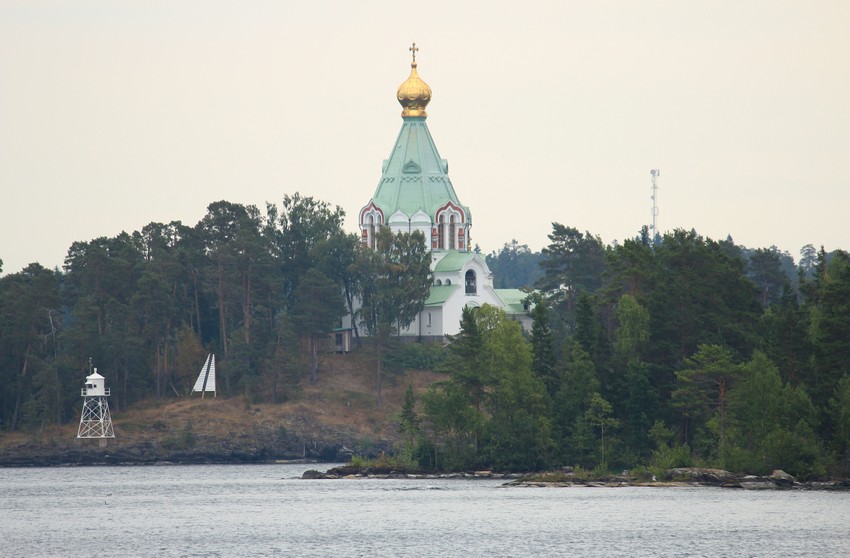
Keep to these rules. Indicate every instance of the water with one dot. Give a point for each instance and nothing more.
(266, 510)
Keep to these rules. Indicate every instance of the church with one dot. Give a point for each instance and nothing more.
(416, 194)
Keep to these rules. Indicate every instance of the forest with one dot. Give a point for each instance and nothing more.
(655, 352)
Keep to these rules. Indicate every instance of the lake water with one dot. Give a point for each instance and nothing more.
(266, 510)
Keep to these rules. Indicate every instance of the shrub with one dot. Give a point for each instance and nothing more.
(419, 356)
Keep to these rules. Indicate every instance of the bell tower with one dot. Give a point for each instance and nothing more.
(415, 193)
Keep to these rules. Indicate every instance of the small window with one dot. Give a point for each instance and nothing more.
(470, 282)
(438, 282)
(448, 281)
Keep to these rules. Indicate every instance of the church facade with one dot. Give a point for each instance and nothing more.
(415, 193)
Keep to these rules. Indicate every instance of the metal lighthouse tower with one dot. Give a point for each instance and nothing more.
(95, 420)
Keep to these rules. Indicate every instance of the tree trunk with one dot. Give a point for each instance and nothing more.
(314, 354)
(350, 303)
(379, 343)
(165, 363)
(17, 410)
(246, 304)
(722, 404)
(197, 304)
(222, 322)
(602, 437)
(158, 372)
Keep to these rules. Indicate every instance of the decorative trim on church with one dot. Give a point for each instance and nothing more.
(452, 207)
(411, 167)
(371, 220)
(416, 194)
(449, 231)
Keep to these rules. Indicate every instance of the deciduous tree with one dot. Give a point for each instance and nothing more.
(317, 310)
(395, 279)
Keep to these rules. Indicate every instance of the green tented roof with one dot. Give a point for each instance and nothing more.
(440, 293)
(414, 176)
(453, 261)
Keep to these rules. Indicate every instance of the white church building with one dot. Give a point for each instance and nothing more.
(416, 194)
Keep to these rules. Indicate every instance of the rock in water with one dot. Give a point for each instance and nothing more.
(312, 474)
(781, 478)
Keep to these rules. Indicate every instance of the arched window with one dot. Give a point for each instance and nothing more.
(452, 233)
(438, 282)
(441, 233)
(470, 282)
(371, 231)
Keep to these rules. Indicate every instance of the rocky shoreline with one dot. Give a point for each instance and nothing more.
(152, 453)
(259, 446)
(379, 472)
(682, 477)
(151, 456)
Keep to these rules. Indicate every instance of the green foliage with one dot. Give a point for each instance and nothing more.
(29, 341)
(573, 259)
(579, 383)
(383, 462)
(418, 356)
(316, 311)
(544, 363)
(830, 328)
(839, 412)
(666, 456)
(764, 267)
(394, 280)
(493, 411)
(417, 451)
(743, 367)
(796, 451)
(456, 424)
(336, 257)
(699, 296)
(599, 415)
(148, 306)
(702, 393)
(633, 332)
(297, 233)
(409, 421)
(515, 266)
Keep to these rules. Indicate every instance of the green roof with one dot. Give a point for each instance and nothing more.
(512, 299)
(440, 293)
(453, 261)
(414, 176)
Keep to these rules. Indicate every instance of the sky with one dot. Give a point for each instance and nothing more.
(115, 114)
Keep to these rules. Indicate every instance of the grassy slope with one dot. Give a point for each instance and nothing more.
(340, 408)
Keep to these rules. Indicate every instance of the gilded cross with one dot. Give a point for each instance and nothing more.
(413, 49)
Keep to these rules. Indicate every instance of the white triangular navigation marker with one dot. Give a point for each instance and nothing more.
(206, 379)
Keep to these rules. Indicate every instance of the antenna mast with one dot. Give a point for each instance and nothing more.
(654, 227)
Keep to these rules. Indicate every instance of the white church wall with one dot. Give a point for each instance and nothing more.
(432, 322)
(399, 222)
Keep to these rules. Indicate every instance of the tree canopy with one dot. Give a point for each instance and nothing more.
(683, 350)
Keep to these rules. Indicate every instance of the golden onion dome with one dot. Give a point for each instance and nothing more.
(414, 94)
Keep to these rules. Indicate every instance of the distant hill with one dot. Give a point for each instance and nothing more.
(322, 423)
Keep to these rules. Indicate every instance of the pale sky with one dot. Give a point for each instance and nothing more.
(114, 114)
